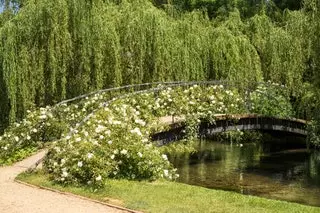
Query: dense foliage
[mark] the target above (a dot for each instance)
(115, 141)
(52, 50)
(271, 100)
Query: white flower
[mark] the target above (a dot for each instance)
(57, 149)
(164, 157)
(124, 152)
(89, 155)
(80, 164)
(101, 137)
(78, 139)
(63, 161)
(112, 157)
(34, 130)
(16, 138)
(5, 148)
(100, 128)
(108, 132)
(64, 174)
(140, 154)
(42, 117)
(68, 137)
(165, 172)
(116, 122)
(98, 178)
(55, 164)
(136, 131)
(109, 142)
(141, 122)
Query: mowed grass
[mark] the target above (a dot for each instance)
(163, 196)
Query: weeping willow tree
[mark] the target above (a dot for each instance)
(233, 56)
(34, 56)
(281, 49)
(52, 50)
(312, 10)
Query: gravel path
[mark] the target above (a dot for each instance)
(19, 198)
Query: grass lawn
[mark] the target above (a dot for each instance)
(163, 196)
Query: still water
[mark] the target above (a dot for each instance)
(292, 175)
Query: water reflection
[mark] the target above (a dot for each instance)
(292, 175)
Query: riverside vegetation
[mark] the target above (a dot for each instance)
(98, 149)
(50, 51)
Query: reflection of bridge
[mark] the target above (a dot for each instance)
(225, 123)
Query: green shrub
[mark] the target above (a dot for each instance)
(114, 142)
(271, 100)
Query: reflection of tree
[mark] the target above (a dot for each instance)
(313, 168)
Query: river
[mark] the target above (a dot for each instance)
(291, 175)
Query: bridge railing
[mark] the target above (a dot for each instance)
(111, 94)
(244, 88)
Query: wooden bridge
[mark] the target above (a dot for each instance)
(224, 123)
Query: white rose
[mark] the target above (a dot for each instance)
(80, 164)
(98, 178)
(89, 155)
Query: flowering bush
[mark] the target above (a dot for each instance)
(115, 141)
(23, 138)
(43, 125)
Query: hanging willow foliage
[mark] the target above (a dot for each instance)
(234, 57)
(52, 50)
(282, 51)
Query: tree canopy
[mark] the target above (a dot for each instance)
(53, 50)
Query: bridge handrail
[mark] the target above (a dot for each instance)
(159, 86)
(167, 84)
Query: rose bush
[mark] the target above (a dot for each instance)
(115, 141)
(43, 125)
